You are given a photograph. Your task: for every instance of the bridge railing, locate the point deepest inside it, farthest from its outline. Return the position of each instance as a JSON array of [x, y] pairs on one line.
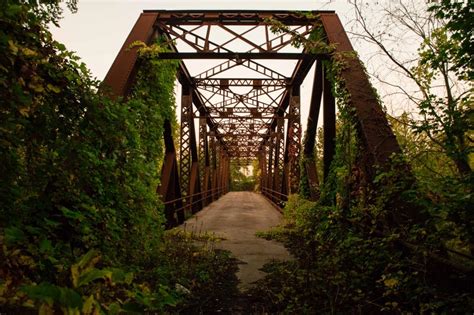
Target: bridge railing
[[277, 198], [178, 209]]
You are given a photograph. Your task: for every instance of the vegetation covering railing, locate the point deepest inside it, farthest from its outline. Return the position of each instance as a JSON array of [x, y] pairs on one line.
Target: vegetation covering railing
[[275, 197], [379, 233], [81, 224], [188, 202]]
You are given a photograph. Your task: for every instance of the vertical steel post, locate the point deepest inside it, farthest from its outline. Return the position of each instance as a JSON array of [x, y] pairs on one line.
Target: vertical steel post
[[218, 168], [294, 140], [189, 164], [270, 162], [263, 169], [185, 137], [213, 165], [279, 156], [170, 189], [204, 160]]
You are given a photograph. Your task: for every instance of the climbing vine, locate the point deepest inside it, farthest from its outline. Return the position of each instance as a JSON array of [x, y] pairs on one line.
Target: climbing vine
[[354, 248], [81, 225]]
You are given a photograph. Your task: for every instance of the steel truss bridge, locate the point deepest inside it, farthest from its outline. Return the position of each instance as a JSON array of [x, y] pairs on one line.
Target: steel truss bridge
[[246, 106]]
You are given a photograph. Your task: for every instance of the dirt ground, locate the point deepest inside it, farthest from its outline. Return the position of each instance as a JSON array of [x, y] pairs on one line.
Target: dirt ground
[[236, 217]]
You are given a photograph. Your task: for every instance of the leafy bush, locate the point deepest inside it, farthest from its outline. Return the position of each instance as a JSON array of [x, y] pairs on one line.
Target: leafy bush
[[81, 225], [386, 244], [343, 264]]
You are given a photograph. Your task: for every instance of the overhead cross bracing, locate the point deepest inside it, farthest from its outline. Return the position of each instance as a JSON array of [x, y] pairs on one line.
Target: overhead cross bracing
[[242, 95], [240, 101]]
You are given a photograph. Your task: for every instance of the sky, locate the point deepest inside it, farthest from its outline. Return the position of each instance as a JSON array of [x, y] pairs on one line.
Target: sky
[[99, 28]]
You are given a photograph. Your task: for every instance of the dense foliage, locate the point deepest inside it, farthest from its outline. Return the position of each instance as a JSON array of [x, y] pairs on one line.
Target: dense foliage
[[241, 179], [460, 23], [81, 225], [401, 243], [351, 258]]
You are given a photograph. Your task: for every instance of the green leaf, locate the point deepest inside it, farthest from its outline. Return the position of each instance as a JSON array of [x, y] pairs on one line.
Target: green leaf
[[92, 275], [45, 246], [166, 297], [76, 215], [89, 304], [133, 308], [87, 258], [53, 88], [13, 47], [13, 10], [14, 235], [85, 263], [120, 276], [51, 223], [115, 275], [115, 308], [44, 292], [70, 298]]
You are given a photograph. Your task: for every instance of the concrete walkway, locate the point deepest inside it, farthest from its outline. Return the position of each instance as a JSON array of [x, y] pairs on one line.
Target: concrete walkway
[[236, 217]]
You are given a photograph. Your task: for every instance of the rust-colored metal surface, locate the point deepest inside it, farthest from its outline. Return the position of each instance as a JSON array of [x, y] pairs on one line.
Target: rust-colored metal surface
[[122, 72], [248, 108], [378, 139], [241, 96], [170, 189], [311, 128], [242, 110]]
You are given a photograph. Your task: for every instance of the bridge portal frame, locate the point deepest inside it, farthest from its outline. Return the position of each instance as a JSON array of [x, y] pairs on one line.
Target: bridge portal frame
[[255, 130]]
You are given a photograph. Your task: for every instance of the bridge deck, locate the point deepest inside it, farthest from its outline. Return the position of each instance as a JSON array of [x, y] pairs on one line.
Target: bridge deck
[[237, 216]]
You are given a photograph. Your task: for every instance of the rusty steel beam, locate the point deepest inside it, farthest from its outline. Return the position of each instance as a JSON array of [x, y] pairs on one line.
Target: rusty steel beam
[[240, 98], [253, 82], [237, 36], [219, 160], [293, 143], [204, 161], [238, 61], [243, 136], [266, 151], [377, 138], [187, 126], [262, 167], [311, 129], [231, 117], [203, 44], [189, 163], [271, 155], [213, 163], [234, 17], [236, 128], [239, 55], [299, 74], [249, 100], [122, 73], [253, 112], [169, 188], [185, 79], [279, 155]]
